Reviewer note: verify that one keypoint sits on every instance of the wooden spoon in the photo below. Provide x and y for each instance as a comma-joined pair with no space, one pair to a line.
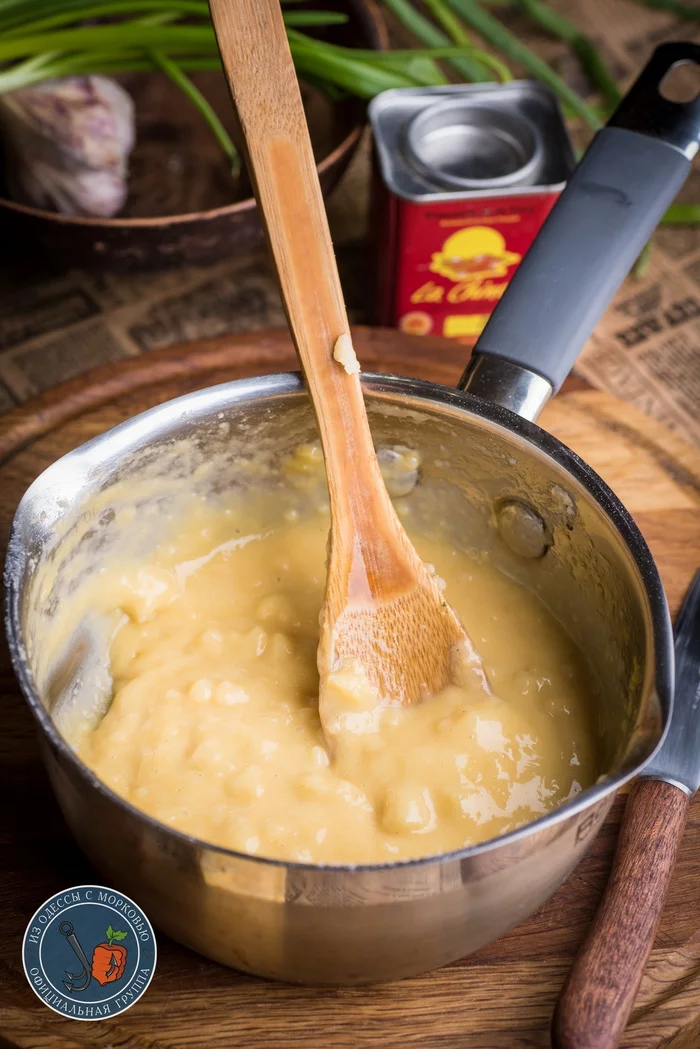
383,618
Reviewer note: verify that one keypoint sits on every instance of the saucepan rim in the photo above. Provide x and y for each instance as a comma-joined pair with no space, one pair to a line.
415,394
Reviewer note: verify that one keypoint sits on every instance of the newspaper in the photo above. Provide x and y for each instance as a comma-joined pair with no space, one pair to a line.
645,350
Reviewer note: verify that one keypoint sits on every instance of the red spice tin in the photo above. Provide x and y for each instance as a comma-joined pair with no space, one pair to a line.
465,175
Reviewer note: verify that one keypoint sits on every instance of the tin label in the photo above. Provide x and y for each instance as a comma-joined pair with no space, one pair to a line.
453,260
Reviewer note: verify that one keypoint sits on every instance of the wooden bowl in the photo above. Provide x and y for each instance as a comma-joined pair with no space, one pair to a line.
179,187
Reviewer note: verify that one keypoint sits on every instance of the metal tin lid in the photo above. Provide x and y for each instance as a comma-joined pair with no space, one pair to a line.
466,144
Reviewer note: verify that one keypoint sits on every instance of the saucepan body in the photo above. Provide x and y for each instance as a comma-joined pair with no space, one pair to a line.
496,481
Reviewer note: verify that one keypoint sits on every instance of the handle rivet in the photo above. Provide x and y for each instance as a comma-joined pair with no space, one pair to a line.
522,529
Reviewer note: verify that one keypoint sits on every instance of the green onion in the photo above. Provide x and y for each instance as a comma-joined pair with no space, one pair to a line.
492,62
173,39
504,41
588,55
642,264
74,12
83,12
457,32
415,65
398,58
173,71
686,11
314,18
356,75
423,70
682,215
421,28
32,71
339,60
431,36
449,21
416,23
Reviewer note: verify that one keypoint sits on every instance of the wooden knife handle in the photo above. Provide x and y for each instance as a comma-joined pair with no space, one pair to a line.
597,998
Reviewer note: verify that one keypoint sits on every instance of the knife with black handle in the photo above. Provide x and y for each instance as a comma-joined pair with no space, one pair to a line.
597,998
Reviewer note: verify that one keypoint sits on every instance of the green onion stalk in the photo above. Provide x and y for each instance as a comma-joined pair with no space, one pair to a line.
561,28
495,33
431,36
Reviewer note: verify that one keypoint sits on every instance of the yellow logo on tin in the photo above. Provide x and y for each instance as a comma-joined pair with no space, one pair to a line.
464,325
474,253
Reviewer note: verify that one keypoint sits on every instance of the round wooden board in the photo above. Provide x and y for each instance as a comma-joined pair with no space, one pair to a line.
500,998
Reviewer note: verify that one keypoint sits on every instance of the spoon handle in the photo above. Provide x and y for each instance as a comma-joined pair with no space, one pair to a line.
261,75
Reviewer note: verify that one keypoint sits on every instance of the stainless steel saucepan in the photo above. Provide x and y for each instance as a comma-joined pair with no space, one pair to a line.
501,483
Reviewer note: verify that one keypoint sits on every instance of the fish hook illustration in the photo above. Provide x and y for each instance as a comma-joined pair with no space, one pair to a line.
75,981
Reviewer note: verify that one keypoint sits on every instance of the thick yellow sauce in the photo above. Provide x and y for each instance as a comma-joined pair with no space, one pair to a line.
214,726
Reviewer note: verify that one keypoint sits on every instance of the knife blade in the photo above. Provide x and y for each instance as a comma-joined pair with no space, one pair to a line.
596,1001
678,759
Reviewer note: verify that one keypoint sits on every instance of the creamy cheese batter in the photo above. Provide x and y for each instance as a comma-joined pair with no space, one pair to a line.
214,726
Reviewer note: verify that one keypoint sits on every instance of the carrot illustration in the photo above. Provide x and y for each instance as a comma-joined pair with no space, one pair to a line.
109,958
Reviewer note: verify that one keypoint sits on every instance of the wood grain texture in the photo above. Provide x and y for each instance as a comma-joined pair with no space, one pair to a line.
594,1006
382,610
500,998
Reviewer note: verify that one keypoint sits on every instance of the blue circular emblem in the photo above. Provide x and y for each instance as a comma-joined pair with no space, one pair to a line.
89,952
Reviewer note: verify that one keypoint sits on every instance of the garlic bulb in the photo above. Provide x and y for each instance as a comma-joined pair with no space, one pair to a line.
67,144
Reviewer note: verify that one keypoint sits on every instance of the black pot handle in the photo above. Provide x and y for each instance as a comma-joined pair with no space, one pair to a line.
631,172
